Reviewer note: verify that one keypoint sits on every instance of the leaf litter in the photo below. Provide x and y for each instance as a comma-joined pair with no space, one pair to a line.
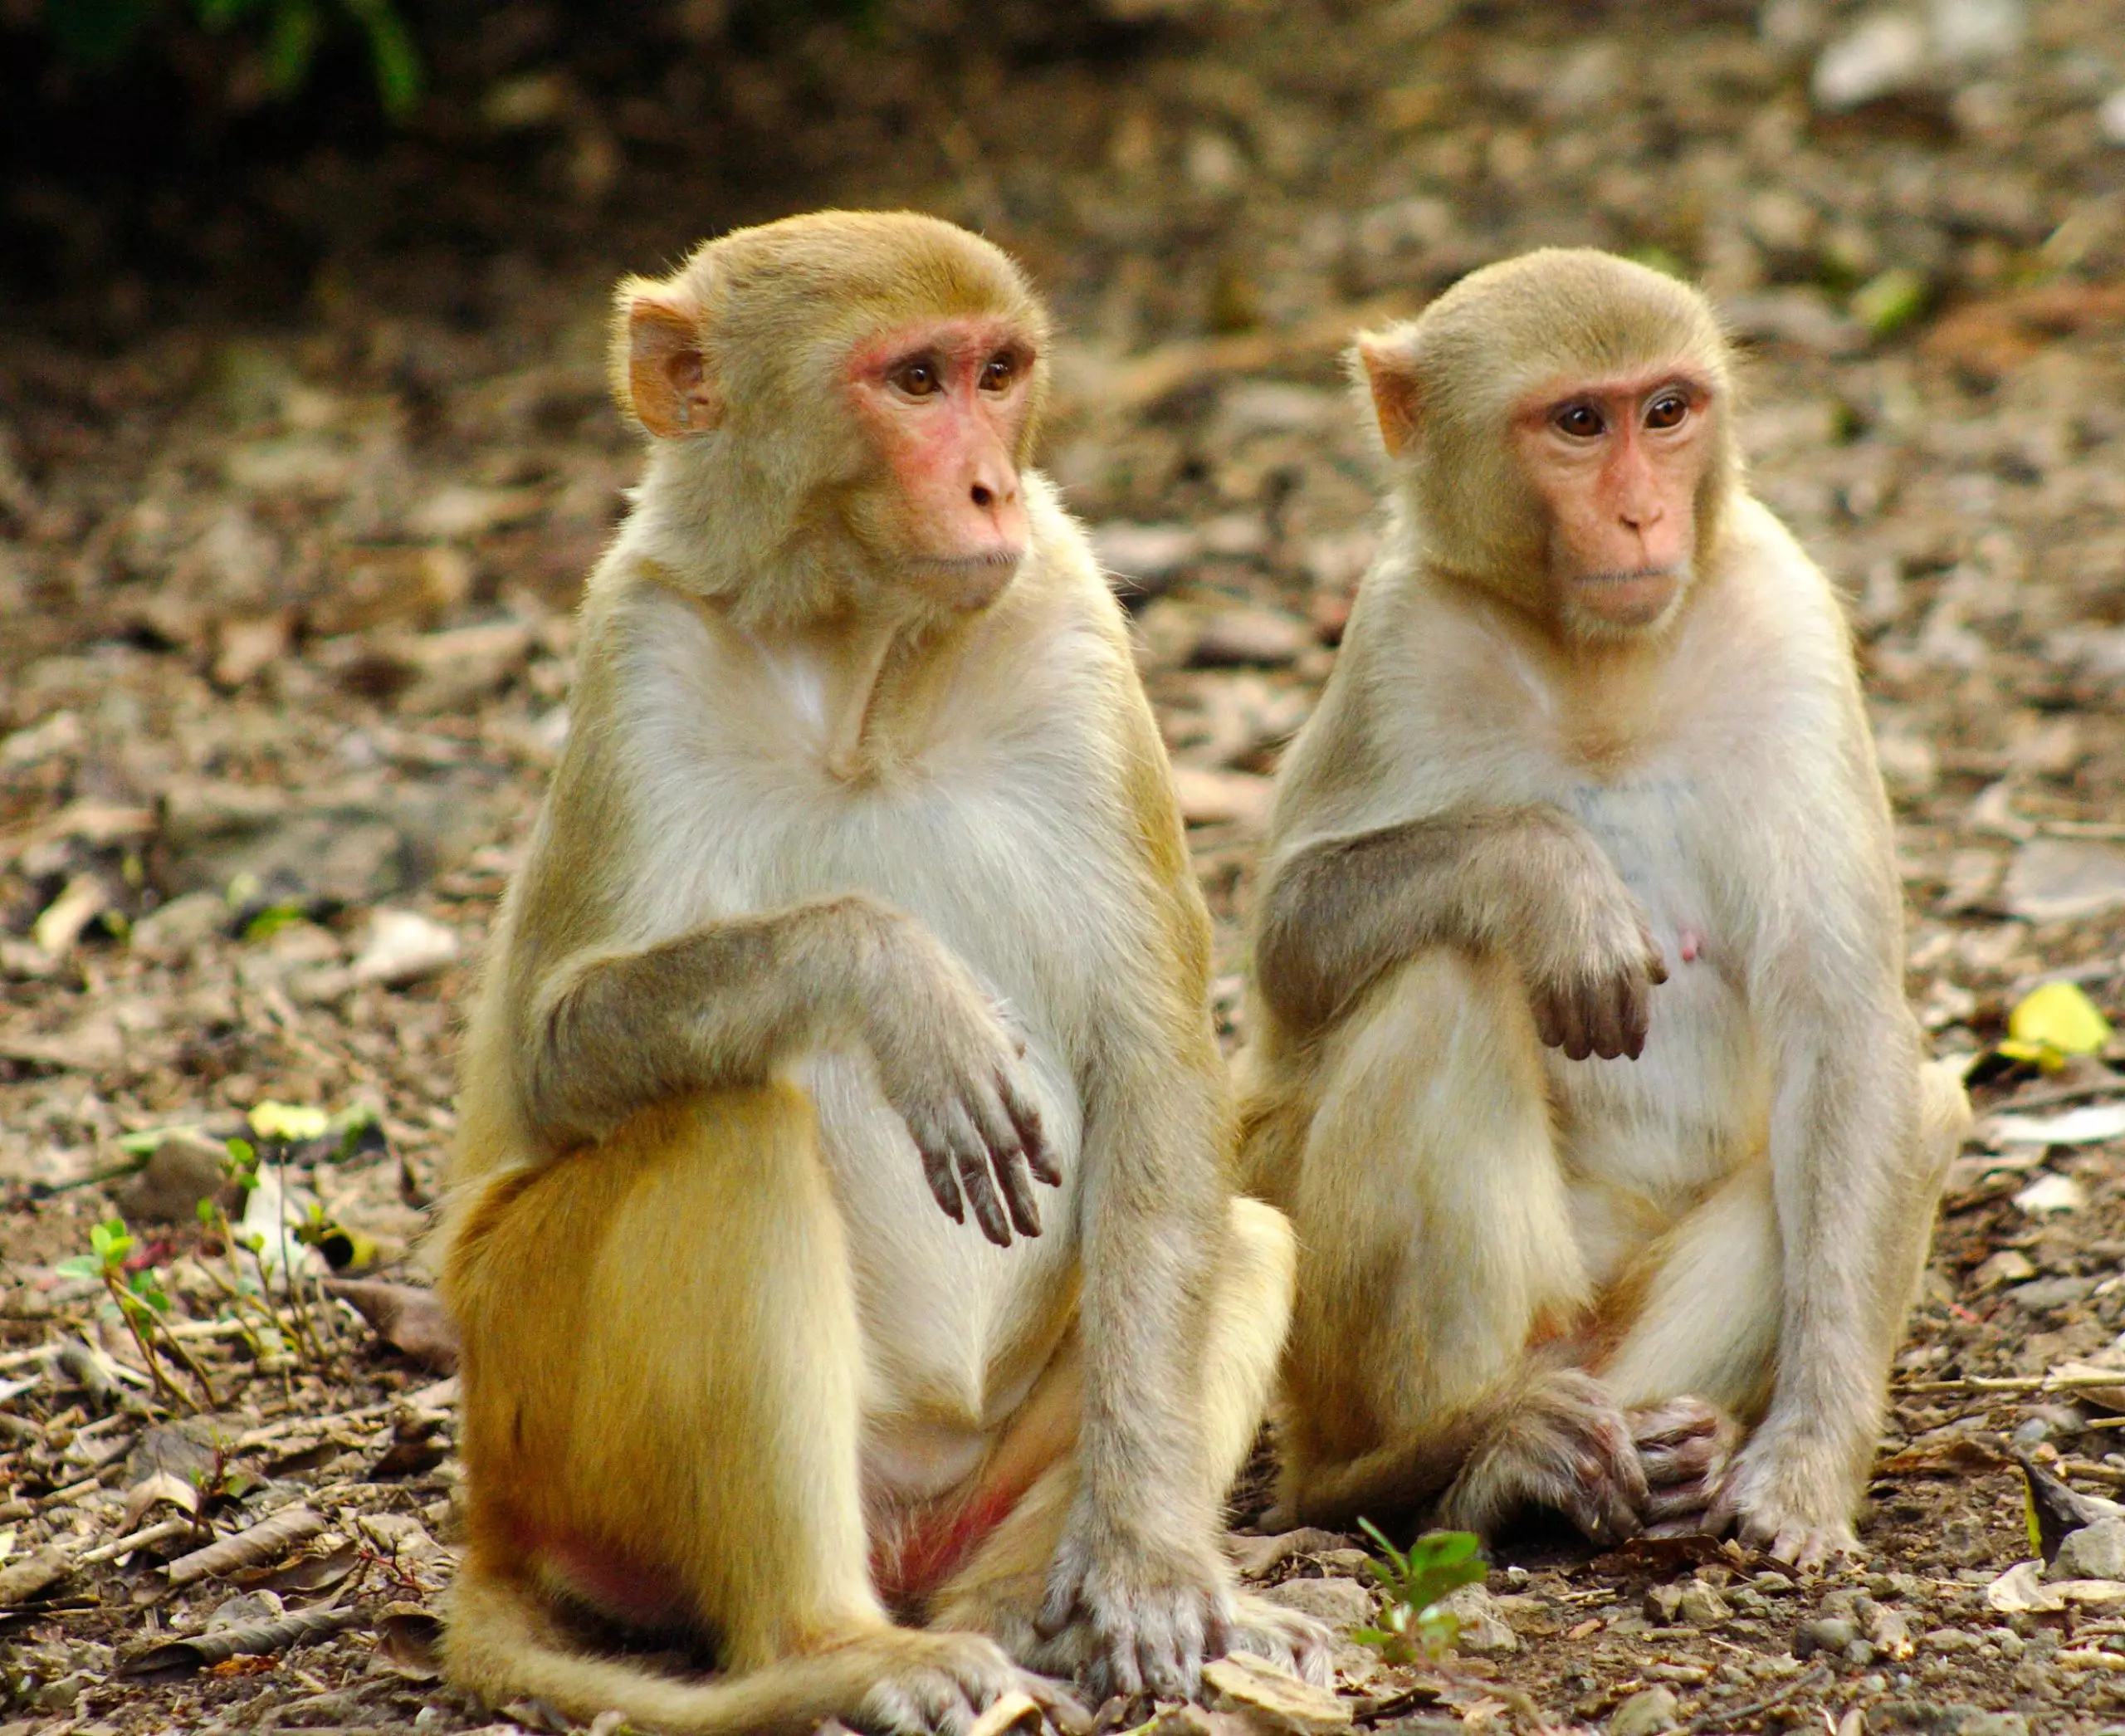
288,654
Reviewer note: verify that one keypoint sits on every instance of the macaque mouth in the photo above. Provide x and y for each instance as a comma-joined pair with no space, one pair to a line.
974,566
1630,597
1650,575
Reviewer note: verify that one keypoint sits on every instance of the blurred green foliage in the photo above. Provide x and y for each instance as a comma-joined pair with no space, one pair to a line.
97,34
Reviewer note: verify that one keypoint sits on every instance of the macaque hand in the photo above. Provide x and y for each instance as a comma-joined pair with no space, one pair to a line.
954,1072
1145,1617
1591,985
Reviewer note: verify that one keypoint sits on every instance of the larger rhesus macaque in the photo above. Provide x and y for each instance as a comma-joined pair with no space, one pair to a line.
1582,1063
859,907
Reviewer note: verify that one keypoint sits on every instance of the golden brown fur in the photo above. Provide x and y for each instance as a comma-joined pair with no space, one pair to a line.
837,878
1524,1278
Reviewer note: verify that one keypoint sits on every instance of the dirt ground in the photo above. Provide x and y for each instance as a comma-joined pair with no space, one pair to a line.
287,579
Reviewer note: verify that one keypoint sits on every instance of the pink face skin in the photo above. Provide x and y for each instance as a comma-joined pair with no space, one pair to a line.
946,401
1618,461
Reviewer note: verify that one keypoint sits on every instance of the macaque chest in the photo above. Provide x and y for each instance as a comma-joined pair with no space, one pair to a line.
955,1330
1665,1126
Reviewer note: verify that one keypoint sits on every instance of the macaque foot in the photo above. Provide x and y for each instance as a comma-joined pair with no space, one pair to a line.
1786,1496
1131,1626
1684,1446
1562,1443
940,1685
1286,1638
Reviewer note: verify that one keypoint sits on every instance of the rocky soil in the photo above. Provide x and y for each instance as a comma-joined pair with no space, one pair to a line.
286,584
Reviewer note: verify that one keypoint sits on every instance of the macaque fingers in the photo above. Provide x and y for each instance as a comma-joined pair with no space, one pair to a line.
1032,1140
981,1195
939,1170
1007,1152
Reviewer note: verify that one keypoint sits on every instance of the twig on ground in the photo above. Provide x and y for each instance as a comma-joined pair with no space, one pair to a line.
2014,1383
2094,1473
145,1538
1719,1715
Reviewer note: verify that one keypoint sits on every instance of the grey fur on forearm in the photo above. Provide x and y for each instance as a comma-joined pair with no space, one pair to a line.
720,1006
1341,912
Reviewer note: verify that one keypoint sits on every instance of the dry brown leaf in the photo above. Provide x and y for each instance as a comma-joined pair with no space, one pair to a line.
246,1638
254,1546
22,1581
406,1317
409,1641
1960,1458
315,1572
160,1488
2000,333
2104,1398
1255,1556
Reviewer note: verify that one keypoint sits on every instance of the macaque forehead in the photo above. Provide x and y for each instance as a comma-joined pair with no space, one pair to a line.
956,337
1534,404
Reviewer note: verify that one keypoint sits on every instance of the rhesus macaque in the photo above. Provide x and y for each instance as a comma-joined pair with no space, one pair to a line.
1582,1064
859,908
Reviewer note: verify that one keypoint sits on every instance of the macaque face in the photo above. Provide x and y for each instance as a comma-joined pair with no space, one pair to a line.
1618,462
944,404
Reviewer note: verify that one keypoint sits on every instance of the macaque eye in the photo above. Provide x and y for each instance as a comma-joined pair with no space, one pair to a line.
918,379
1668,410
1581,421
998,371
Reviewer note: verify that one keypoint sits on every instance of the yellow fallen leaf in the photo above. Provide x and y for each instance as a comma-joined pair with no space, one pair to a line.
270,1120
2051,1023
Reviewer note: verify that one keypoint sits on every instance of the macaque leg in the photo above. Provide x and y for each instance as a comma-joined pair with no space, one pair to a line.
1699,1316
661,1367
1000,1591
1699,1355
1437,1261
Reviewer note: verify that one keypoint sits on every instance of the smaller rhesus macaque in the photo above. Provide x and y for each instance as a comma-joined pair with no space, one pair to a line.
1581,1061
841,1225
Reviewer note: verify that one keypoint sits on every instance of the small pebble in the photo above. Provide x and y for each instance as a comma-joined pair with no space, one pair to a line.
1646,1712
1825,1633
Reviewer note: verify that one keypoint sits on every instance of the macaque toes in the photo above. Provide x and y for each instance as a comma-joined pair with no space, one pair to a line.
841,1228
1581,1060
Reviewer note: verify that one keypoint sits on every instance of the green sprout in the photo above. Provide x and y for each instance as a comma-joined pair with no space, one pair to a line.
100,34
1417,1625
138,1297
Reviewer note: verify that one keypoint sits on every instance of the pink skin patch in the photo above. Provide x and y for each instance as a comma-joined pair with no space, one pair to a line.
613,1583
1617,461
1690,943
920,1553
946,401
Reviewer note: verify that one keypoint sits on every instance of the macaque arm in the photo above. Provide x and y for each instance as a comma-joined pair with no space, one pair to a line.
1846,1182
721,1005
724,1005
1134,1566
1528,881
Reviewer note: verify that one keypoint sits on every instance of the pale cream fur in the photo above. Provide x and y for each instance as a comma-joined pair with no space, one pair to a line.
839,853
1739,1216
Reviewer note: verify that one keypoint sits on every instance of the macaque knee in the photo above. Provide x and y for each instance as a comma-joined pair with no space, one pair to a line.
1944,1123
1251,1312
1261,1261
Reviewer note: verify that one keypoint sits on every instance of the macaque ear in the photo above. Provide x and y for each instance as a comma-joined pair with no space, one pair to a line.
1397,400
659,375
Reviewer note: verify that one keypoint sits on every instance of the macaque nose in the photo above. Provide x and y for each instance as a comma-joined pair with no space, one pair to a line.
993,491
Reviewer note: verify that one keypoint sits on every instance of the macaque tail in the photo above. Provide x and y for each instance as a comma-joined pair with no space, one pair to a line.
500,1645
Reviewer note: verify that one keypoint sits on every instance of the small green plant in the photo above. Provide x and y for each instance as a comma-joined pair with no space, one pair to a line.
141,1303
98,34
1415,1626
265,1329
